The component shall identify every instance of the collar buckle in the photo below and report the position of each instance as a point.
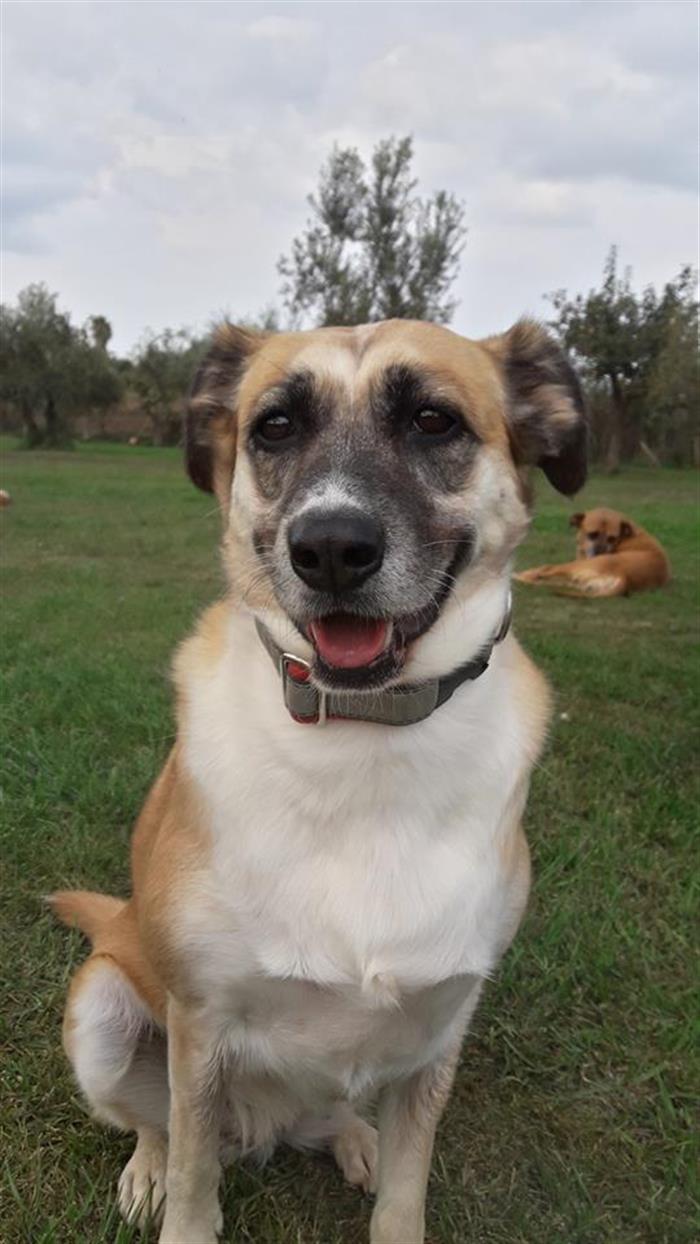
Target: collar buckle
(304, 702)
(507, 619)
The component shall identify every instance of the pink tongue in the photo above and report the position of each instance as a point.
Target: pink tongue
(348, 642)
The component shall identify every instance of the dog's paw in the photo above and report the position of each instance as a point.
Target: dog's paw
(355, 1151)
(141, 1192)
(396, 1224)
(203, 1228)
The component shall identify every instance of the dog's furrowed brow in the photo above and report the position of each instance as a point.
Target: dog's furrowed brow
(404, 386)
(296, 392)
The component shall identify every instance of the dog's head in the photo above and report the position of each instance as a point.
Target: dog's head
(601, 531)
(368, 476)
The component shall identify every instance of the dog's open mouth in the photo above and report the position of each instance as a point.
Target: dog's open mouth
(360, 653)
(354, 652)
(348, 643)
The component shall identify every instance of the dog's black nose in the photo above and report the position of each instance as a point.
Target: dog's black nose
(335, 551)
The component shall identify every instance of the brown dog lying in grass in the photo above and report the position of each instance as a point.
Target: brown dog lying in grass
(614, 556)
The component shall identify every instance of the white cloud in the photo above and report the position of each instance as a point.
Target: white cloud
(290, 29)
(174, 155)
(159, 156)
(514, 202)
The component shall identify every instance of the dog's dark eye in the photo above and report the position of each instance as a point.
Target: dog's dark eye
(274, 428)
(592, 535)
(434, 422)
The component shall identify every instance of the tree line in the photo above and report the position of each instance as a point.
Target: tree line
(372, 249)
(52, 371)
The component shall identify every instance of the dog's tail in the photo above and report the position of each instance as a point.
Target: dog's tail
(89, 911)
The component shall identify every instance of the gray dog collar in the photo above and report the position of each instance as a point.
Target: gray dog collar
(392, 706)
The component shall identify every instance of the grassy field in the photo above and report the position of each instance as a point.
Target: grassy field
(571, 1118)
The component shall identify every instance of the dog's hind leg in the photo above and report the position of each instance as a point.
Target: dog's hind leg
(544, 574)
(356, 1150)
(351, 1140)
(142, 1182)
(119, 1057)
(592, 577)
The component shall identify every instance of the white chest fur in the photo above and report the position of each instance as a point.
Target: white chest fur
(350, 861)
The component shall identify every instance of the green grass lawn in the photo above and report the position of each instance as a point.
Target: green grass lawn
(571, 1117)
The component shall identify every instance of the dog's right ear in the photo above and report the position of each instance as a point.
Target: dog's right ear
(210, 423)
(576, 520)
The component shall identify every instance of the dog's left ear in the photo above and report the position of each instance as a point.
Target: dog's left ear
(576, 519)
(211, 420)
(546, 413)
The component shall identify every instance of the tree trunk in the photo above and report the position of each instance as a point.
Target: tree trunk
(631, 435)
(32, 432)
(616, 426)
(156, 429)
(649, 454)
(56, 435)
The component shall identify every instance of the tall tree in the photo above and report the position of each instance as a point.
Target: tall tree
(619, 338)
(163, 366)
(100, 331)
(373, 249)
(673, 382)
(602, 328)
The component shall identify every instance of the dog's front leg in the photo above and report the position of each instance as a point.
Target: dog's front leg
(409, 1111)
(192, 1212)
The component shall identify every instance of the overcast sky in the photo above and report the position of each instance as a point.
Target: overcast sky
(157, 155)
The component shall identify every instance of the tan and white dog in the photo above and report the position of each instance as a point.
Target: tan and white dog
(614, 557)
(331, 862)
